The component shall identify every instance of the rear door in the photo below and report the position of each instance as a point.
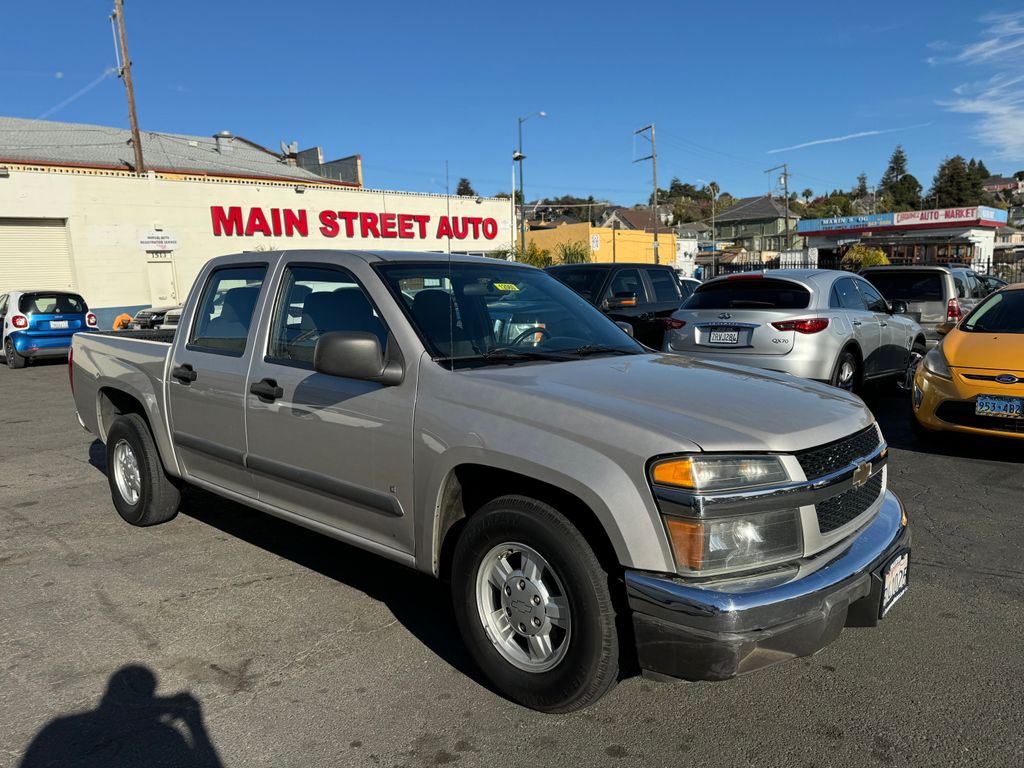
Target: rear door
(736, 315)
(867, 330)
(891, 352)
(207, 380)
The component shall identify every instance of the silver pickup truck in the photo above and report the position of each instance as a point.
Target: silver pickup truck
(596, 506)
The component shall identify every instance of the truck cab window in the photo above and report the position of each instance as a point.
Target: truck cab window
(314, 301)
(225, 312)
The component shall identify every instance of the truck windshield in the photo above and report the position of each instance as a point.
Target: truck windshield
(476, 313)
(1000, 313)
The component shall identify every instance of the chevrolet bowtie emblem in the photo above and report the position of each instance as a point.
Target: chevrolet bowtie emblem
(861, 474)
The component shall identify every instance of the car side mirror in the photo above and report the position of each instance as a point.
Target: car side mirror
(355, 355)
(898, 307)
(943, 328)
(620, 300)
(625, 327)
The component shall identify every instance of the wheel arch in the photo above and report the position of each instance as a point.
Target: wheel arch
(112, 402)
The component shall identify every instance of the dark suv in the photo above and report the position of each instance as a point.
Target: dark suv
(643, 295)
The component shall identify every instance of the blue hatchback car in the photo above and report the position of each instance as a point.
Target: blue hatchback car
(38, 324)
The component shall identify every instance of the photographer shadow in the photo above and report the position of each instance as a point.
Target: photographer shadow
(131, 726)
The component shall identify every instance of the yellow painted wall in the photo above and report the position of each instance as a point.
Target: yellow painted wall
(629, 245)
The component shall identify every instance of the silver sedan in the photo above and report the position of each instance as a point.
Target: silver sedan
(818, 324)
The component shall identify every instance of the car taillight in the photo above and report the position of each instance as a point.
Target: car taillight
(19, 321)
(90, 319)
(71, 368)
(671, 324)
(812, 325)
(953, 311)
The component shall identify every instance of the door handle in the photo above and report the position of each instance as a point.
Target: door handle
(184, 374)
(266, 389)
(857, 322)
(885, 325)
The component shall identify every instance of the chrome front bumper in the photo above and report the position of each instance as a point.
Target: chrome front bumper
(714, 631)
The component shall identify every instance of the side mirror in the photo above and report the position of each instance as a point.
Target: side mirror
(355, 355)
(620, 300)
(625, 327)
(944, 328)
(898, 307)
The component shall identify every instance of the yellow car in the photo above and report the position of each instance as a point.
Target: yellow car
(973, 381)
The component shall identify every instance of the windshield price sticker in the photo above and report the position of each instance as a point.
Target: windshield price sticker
(506, 287)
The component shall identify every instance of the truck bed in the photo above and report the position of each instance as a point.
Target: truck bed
(164, 337)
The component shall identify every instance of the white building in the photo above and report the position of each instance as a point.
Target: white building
(74, 214)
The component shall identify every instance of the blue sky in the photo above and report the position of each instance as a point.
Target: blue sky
(411, 85)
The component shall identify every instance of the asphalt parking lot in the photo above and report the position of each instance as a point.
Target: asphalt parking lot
(273, 646)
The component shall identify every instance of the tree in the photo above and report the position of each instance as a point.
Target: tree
(861, 256)
(956, 184)
(465, 189)
(897, 168)
(905, 194)
(861, 190)
(506, 196)
(807, 194)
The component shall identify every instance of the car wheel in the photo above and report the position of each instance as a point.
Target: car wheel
(14, 360)
(845, 374)
(906, 381)
(142, 492)
(534, 607)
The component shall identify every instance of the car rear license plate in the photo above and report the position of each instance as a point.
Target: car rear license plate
(724, 337)
(1007, 407)
(58, 323)
(895, 577)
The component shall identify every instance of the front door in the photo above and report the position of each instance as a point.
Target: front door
(162, 290)
(638, 313)
(332, 449)
(208, 374)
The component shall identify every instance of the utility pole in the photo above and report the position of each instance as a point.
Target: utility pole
(785, 188)
(126, 73)
(653, 157)
(518, 156)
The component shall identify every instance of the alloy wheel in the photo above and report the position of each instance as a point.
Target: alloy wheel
(126, 472)
(523, 607)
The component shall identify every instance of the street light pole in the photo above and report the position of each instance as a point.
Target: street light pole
(519, 156)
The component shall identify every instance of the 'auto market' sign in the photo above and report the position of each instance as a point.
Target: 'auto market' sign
(950, 215)
(236, 221)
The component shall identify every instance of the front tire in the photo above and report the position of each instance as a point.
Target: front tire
(534, 607)
(142, 492)
(14, 360)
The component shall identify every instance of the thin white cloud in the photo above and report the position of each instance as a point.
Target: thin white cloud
(847, 137)
(999, 100)
(79, 94)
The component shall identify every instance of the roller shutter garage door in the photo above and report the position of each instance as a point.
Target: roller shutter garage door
(35, 253)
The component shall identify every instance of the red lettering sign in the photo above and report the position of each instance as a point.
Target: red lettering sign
(234, 221)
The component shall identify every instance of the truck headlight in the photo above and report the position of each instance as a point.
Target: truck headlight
(935, 363)
(718, 473)
(706, 547)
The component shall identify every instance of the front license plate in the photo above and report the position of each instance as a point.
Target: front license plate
(1007, 407)
(58, 323)
(895, 577)
(724, 337)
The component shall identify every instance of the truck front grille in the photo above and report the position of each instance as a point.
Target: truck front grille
(172, 319)
(840, 509)
(820, 461)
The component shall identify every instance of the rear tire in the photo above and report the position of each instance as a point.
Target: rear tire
(142, 492)
(534, 606)
(846, 374)
(14, 360)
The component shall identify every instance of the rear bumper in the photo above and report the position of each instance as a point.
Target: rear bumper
(36, 345)
(715, 632)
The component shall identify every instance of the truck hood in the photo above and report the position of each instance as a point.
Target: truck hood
(715, 406)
